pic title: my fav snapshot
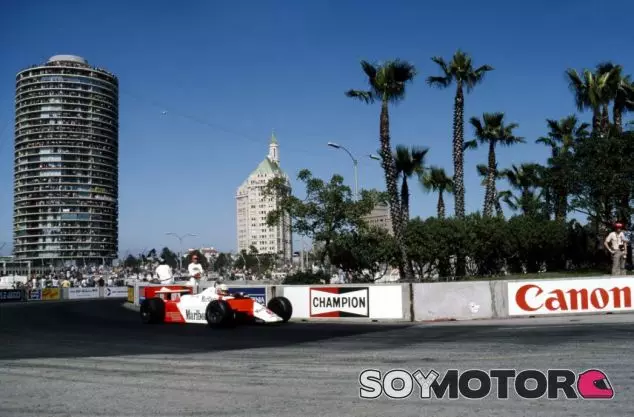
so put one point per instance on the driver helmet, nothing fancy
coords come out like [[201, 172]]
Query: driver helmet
[[222, 289]]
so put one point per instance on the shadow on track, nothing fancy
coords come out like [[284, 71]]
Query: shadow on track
[[106, 328]]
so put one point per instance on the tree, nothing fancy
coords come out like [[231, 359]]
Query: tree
[[620, 91], [492, 131], [131, 262], [327, 211], [221, 263], [170, 257], [408, 162], [592, 91], [436, 179], [603, 173], [562, 136], [525, 179], [483, 171], [366, 254], [387, 85], [459, 70]]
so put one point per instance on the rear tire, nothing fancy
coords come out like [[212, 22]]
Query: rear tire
[[152, 311], [219, 314], [282, 307]]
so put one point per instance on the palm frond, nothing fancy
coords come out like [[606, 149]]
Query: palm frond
[[366, 96], [470, 145]]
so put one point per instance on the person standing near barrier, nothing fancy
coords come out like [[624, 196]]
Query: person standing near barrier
[[616, 244], [164, 273], [196, 272]]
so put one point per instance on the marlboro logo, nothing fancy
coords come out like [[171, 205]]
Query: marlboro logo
[[339, 302]]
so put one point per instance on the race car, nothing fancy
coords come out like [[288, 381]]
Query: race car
[[177, 304]]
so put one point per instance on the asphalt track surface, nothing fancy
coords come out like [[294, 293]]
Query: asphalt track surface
[[95, 358]]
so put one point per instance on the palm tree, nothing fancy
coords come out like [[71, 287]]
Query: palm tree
[[483, 171], [620, 91], [525, 179], [461, 71], [562, 136], [408, 162], [592, 91], [387, 83], [436, 179], [492, 131]]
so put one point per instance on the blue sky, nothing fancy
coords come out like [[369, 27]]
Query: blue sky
[[228, 72]]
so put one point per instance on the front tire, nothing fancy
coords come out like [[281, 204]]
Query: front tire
[[152, 311], [219, 314], [282, 307]]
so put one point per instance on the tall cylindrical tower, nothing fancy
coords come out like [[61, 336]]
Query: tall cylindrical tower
[[66, 163]]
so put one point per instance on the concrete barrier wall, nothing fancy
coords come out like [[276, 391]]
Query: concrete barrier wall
[[453, 301], [463, 300]]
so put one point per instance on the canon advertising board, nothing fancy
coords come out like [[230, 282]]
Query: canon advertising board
[[595, 295], [339, 302]]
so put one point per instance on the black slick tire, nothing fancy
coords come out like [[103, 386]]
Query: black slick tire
[[282, 307], [152, 311], [219, 314]]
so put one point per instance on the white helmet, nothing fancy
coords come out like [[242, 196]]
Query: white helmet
[[222, 289]]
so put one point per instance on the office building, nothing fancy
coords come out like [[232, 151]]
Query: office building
[[253, 207], [66, 163], [380, 217]]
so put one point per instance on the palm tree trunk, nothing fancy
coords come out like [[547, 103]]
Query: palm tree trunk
[[498, 206], [458, 151], [618, 118], [458, 164], [605, 120], [441, 206], [490, 186], [596, 122], [391, 180], [405, 200]]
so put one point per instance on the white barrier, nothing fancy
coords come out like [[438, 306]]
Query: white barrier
[[346, 301], [594, 295], [453, 301], [78, 293], [462, 300]]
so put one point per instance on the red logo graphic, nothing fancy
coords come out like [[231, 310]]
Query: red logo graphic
[[594, 384]]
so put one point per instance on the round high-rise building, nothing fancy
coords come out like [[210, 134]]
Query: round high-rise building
[[66, 163]]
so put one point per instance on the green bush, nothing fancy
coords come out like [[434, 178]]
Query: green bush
[[494, 245], [307, 278]]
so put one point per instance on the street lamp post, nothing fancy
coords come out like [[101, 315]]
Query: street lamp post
[[180, 254], [355, 164]]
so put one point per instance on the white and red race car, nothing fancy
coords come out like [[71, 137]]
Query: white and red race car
[[177, 304]]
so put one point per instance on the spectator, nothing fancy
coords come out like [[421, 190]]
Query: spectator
[[616, 244]]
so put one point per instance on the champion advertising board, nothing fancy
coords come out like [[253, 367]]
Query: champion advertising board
[[568, 296], [339, 302], [34, 295], [344, 301]]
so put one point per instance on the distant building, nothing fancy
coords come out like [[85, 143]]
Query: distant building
[[253, 207], [66, 172], [380, 217]]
